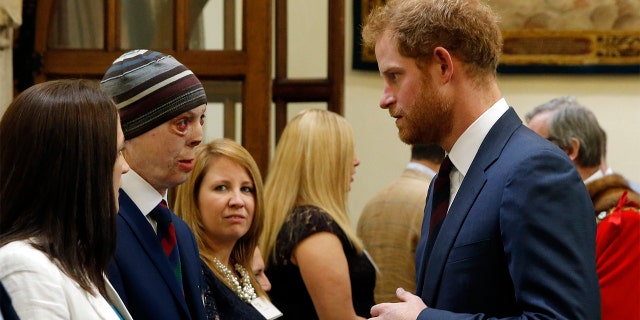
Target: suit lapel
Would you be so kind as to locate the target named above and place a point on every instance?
(115, 300)
(149, 242)
(469, 190)
(471, 187)
(421, 254)
(190, 272)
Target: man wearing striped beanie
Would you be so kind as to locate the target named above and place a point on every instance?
(156, 266)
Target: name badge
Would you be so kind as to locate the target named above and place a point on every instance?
(266, 308)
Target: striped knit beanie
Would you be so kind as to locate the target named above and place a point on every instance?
(149, 89)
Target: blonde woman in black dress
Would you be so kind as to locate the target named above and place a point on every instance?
(316, 263)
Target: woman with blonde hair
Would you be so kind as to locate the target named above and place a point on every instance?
(315, 261)
(222, 202)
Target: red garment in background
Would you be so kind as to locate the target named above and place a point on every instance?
(618, 261)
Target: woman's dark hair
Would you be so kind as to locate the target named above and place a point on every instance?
(59, 148)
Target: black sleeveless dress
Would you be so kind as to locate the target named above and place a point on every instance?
(288, 292)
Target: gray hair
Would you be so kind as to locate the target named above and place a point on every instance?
(569, 119)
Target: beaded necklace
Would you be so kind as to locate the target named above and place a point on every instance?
(244, 291)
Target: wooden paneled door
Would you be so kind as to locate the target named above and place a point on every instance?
(329, 89)
(81, 38)
(167, 26)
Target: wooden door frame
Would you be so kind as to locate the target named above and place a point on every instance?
(329, 89)
(251, 65)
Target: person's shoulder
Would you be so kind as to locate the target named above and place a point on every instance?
(529, 140)
(529, 157)
(19, 250)
(606, 192)
(178, 222)
(527, 145)
(412, 181)
(309, 211)
(21, 256)
(310, 218)
(126, 203)
(417, 171)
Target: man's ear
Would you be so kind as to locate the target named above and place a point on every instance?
(443, 59)
(572, 151)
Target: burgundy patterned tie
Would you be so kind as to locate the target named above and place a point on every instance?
(167, 235)
(441, 192)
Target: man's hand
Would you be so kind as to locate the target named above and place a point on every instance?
(408, 308)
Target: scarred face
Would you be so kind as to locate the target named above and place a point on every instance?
(164, 155)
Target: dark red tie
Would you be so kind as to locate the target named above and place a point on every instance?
(441, 192)
(167, 235)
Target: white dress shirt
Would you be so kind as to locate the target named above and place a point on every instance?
(464, 150)
(142, 194)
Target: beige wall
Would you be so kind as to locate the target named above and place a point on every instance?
(614, 99)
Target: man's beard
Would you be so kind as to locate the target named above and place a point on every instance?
(430, 119)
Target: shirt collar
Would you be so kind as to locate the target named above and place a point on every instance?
(422, 168)
(141, 192)
(465, 148)
(597, 175)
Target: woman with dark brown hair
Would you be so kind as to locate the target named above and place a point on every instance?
(60, 170)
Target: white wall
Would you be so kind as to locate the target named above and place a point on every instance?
(615, 99)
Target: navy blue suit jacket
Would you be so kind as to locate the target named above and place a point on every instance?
(518, 240)
(141, 273)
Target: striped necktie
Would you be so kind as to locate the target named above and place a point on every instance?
(167, 236)
(441, 193)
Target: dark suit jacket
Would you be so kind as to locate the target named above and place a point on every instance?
(518, 240)
(141, 273)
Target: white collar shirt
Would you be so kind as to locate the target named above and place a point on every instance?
(595, 176)
(422, 168)
(143, 195)
(464, 150)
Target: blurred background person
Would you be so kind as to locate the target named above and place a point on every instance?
(391, 222)
(575, 129)
(316, 263)
(257, 265)
(222, 202)
(577, 134)
(582, 141)
(162, 104)
(61, 164)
